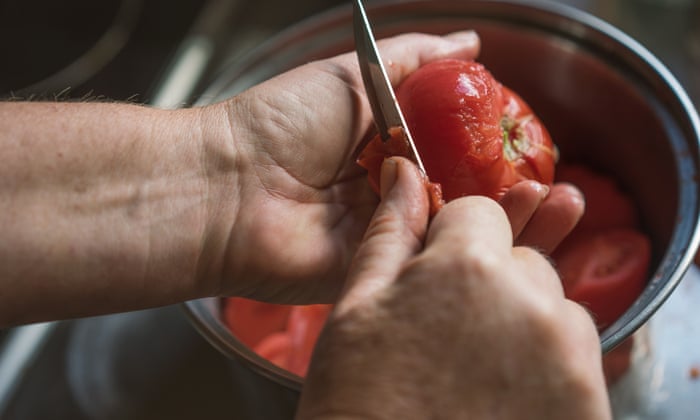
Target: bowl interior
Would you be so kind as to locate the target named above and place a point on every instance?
(606, 101)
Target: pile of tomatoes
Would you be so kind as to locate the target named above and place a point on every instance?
(476, 136)
(283, 334)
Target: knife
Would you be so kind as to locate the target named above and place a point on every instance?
(382, 99)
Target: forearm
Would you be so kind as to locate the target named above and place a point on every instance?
(106, 207)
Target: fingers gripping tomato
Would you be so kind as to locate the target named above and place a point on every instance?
(376, 151)
(475, 136)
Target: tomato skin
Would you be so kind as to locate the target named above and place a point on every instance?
(276, 348)
(374, 153)
(304, 327)
(283, 334)
(604, 262)
(456, 112)
(534, 158)
(251, 321)
(377, 150)
(609, 211)
(606, 205)
(605, 271)
(455, 124)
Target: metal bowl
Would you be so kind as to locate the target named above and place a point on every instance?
(606, 100)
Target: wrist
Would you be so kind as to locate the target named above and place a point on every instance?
(220, 161)
(111, 207)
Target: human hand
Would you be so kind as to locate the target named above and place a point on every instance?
(303, 202)
(450, 320)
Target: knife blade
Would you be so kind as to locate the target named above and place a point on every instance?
(382, 99)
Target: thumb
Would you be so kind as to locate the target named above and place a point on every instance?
(395, 233)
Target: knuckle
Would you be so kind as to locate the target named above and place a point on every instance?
(390, 227)
(458, 275)
(382, 223)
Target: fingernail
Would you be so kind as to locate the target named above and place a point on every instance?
(543, 189)
(463, 37)
(388, 176)
(575, 194)
(462, 45)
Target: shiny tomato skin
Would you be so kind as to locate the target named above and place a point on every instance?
(531, 153)
(455, 123)
(459, 116)
(605, 271)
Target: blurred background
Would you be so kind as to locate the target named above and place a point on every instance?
(153, 364)
(129, 49)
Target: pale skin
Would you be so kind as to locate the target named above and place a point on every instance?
(450, 320)
(115, 207)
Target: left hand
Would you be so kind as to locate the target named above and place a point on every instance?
(303, 203)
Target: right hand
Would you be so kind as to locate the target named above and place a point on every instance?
(451, 320)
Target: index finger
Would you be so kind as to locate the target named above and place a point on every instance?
(403, 54)
(476, 229)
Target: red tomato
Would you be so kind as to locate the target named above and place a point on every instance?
(474, 135)
(528, 147)
(606, 205)
(305, 325)
(276, 348)
(604, 271)
(283, 334)
(377, 150)
(250, 321)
